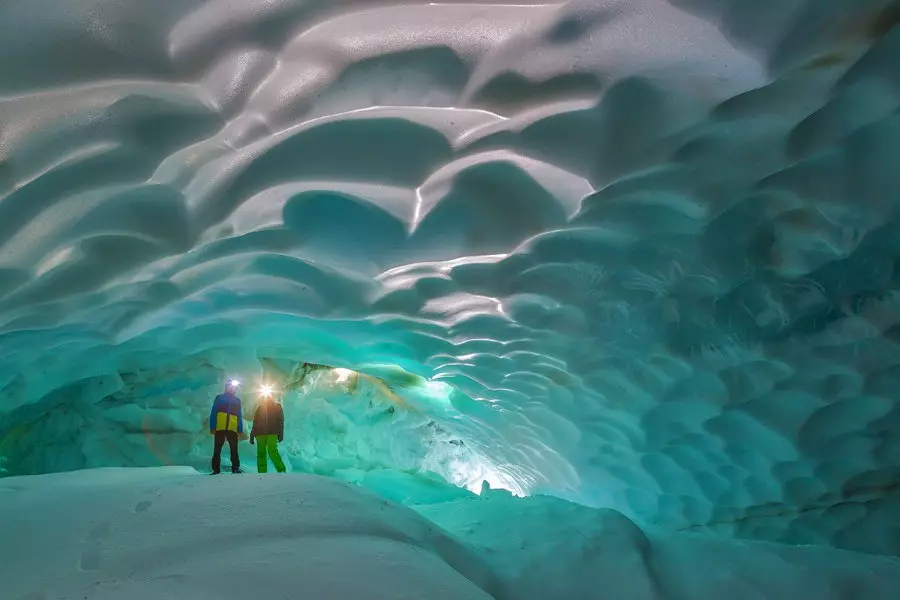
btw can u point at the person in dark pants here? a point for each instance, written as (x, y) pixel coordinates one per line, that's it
(268, 428)
(226, 423)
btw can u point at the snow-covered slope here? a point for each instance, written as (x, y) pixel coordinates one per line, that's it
(651, 243)
(174, 533)
(546, 548)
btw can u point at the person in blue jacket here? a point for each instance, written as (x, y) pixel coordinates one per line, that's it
(226, 423)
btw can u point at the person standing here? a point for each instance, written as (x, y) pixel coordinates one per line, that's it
(226, 423)
(268, 428)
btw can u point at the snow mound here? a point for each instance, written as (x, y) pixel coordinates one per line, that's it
(171, 532)
(652, 243)
(548, 548)
(174, 533)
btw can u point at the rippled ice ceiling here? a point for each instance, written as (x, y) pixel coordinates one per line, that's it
(650, 243)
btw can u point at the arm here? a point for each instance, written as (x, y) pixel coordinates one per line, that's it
(255, 421)
(240, 415)
(212, 415)
(280, 417)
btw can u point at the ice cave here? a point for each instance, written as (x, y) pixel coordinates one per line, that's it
(560, 299)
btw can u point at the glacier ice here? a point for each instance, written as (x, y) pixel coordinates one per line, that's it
(634, 254)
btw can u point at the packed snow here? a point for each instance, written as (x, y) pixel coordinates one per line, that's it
(636, 255)
(175, 533)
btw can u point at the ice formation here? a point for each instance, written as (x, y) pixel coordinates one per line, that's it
(633, 254)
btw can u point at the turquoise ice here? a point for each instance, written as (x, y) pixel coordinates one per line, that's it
(631, 257)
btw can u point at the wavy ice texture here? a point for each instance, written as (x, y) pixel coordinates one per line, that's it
(651, 243)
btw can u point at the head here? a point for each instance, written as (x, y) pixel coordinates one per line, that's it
(231, 386)
(266, 393)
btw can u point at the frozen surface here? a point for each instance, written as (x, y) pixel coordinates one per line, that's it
(151, 533)
(174, 533)
(542, 547)
(651, 243)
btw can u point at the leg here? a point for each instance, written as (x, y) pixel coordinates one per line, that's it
(217, 451)
(233, 445)
(273, 452)
(262, 463)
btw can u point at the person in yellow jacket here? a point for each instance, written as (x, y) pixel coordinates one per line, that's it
(226, 423)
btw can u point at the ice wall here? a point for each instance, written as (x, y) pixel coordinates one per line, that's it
(338, 423)
(653, 242)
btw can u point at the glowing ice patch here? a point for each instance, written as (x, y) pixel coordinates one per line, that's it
(438, 388)
(473, 474)
(342, 374)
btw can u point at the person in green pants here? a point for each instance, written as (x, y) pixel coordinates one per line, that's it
(268, 427)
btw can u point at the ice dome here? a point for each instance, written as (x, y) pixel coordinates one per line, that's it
(626, 266)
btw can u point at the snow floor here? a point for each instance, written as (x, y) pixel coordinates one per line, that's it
(171, 533)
